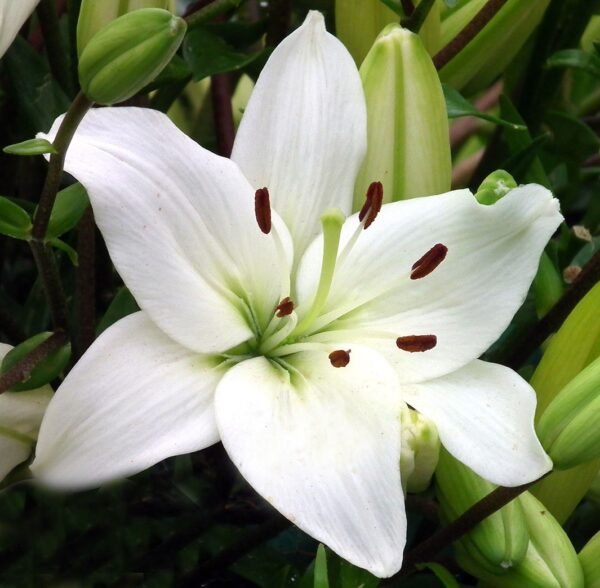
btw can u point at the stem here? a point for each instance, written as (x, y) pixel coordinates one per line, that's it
(419, 15)
(67, 129)
(211, 11)
(587, 279)
(86, 281)
(489, 10)
(23, 368)
(488, 505)
(48, 17)
(407, 7)
(220, 88)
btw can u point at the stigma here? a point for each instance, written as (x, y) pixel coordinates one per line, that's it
(340, 358)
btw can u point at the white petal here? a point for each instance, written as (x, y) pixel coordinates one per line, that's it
(303, 134)
(484, 416)
(322, 445)
(135, 398)
(179, 224)
(20, 417)
(466, 302)
(13, 14)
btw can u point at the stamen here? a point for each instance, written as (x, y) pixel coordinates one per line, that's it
(426, 264)
(416, 343)
(340, 358)
(262, 209)
(372, 205)
(285, 307)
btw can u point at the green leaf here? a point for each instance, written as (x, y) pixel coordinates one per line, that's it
(123, 304)
(208, 54)
(65, 248)
(31, 147)
(68, 208)
(14, 221)
(321, 575)
(458, 106)
(576, 58)
(45, 371)
(441, 573)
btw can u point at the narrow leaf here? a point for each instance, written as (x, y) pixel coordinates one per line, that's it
(14, 221)
(30, 147)
(321, 576)
(68, 208)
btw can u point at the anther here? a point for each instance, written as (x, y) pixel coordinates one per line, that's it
(285, 307)
(416, 343)
(262, 209)
(426, 264)
(339, 358)
(372, 205)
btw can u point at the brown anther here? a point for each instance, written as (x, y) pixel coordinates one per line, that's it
(372, 205)
(339, 358)
(416, 343)
(424, 266)
(285, 307)
(262, 209)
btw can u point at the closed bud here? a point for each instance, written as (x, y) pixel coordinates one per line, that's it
(486, 56)
(420, 450)
(409, 149)
(589, 558)
(550, 560)
(495, 186)
(497, 543)
(129, 53)
(568, 428)
(94, 15)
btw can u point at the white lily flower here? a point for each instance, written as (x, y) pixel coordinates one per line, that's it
(20, 417)
(13, 14)
(291, 333)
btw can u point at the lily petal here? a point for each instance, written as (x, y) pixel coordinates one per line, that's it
(135, 398)
(322, 445)
(12, 17)
(466, 301)
(484, 416)
(180, 226)
(304, 132)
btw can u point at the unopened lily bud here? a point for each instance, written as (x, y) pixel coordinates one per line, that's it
(550, 560)
(94, 15)
(494, 47)
(420, 450)
(589, 558)
(500, 541)
(568, 429)
(495, 186)
(129, 53)
(409, 149)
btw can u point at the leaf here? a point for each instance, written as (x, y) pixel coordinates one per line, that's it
(69, 206)
(321, 575)
(458, 106)
(441, 573)
(123, 304)
(65, 248)
(208, 54)
(31, 147)
(45, 371)
(14, 221)
(577, 59)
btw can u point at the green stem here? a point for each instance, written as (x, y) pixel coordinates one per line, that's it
(211, 11)
(416, 20)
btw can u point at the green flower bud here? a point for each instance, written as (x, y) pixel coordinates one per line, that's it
(494, 47)
(589, 558)
(129, 53)
(500, 541)
(550, 560)
(495, 186)
(420, 450)
(94, 15)
(409, 150)
(568, 429)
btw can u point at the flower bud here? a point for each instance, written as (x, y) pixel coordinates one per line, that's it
(129, 53)
(420, 450)
(494, 47)
(95, 15)
(500, 541)
(495, 186)
(550, 560)
(409, 149)
(589, 558)
(568, 429)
